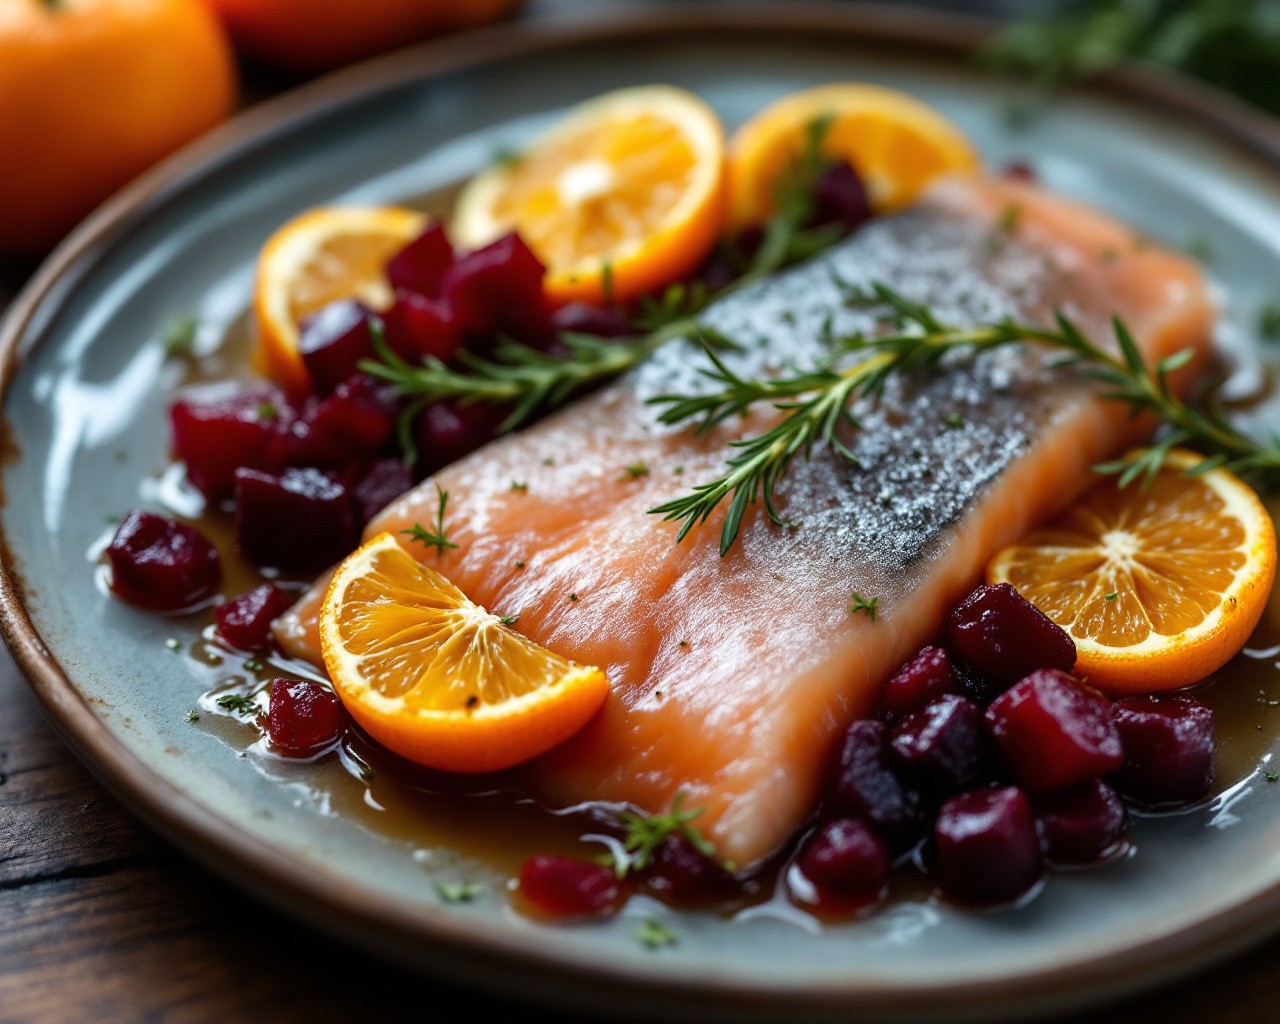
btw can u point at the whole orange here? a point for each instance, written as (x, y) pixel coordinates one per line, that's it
(91, 93)
(315, 35)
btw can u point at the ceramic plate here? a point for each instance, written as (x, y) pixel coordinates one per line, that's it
(87, 386)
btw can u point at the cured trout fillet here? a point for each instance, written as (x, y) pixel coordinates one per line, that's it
(733, 677)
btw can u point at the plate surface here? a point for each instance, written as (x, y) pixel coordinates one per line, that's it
(86, 394)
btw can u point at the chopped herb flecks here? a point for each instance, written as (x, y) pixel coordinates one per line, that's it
(458, 892)
(1111, 596)
(645, 833)
(518, 485)
(180, 336)
(238, 703)
(653, 934)
(637, 471)
(863, 604)
(509, 620)
(193, 715)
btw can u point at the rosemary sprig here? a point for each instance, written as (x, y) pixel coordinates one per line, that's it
(433, 538)
(816, 404)
(645, 833)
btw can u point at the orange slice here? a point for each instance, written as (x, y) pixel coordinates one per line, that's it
(897, 144)
(632, 180)
(325, 254)
(1158, 586)
(438, 679)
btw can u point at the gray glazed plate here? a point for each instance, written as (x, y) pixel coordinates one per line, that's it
(87, 384)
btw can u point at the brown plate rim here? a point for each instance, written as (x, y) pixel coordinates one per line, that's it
(451, 944)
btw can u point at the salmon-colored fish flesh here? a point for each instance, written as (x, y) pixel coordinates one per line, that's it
(732, 677)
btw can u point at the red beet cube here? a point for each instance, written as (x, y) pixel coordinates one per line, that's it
(600, 321)
(943, 747)
(866, 787)
(840, 198)
(688, 875)
(1005, 637)
(217, 428)
(347, 427)
(1080, 825)
(985, 847)
(923, 679)
(1168, 750)
(568, 887)
(245, 621)
(1053, 733)
(159, 563)
(845, 864)
(446, 431)
(383, 482)
(332, 342)
(301, 520)
(418, 327)
(420, 266)
(499, 289)
(304, 717)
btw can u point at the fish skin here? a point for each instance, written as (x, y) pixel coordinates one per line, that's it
(732, 678)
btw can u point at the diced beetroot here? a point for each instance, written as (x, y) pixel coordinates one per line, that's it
(301, 520)
(1005, 637)
(332, 342)
(420, 266)
(245, 621)
(943, 748)
(846, 864)
(383, 482)
(865, 786)
(347, 427)
(449, 430)
(584, 318)
(985, 847)
(499, 289)
(925, 678)
(1053, 733)
(840, 198)
(568, 887)
(304, 717)
(418, 327)
(159, 563)
(217, 428)
(1168, 750)
(688, 875)
(1080, 825)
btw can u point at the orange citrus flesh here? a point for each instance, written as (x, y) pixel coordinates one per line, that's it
(321, 256)
(438, 679)
(632, 180)
(1158, 586)
(897, 144)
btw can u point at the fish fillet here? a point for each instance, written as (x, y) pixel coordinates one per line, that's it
(733, 677)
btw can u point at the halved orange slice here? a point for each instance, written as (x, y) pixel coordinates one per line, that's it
(632, 181)
(438, 679)
(896, 143)
(1158, 585)
(330, 253)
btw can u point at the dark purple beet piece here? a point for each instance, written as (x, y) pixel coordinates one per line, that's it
(1019, 170)
(1005, 637)
(1168, 750)
(865, 786)
(985, 847)
(420, 266)
(449, 430)
(840, 198)
(217, 428)
(943, 747)
(162, 564)
(304, 717)
(568, 887)
(332, 342)
(347, 427)
(846, 863)
(499, 289)
(418, 327)
(925, 678)
(383, 482)
(300, 520)
(688, 875)
(1080, 825)
(245, 621)
(1054, 733)
(585, 318)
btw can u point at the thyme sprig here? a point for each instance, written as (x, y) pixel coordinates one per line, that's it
(816, 404)
(433, 538)
(645, 833)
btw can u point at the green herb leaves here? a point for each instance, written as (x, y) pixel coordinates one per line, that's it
(646, 833)
(433, 538)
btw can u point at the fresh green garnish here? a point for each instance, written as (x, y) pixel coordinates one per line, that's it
(179, 336)
(193, 715)
(518, 485)
(653, 934)
(1270, 776)
(1269, 321)
(645, 833)
(433, 539)
(458, 892)
(173, 643)
(637, 471)
(253, 665)
(509, 620)
(953, 420)
(863, 604)
(266, 410)
(238, 703)
(1111, 596)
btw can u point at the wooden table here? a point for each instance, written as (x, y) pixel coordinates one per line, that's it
(102, 921)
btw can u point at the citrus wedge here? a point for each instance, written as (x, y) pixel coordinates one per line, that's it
(438, 679)
(632, 180)
(1159, 585)
(897, 144)
(318, 257)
